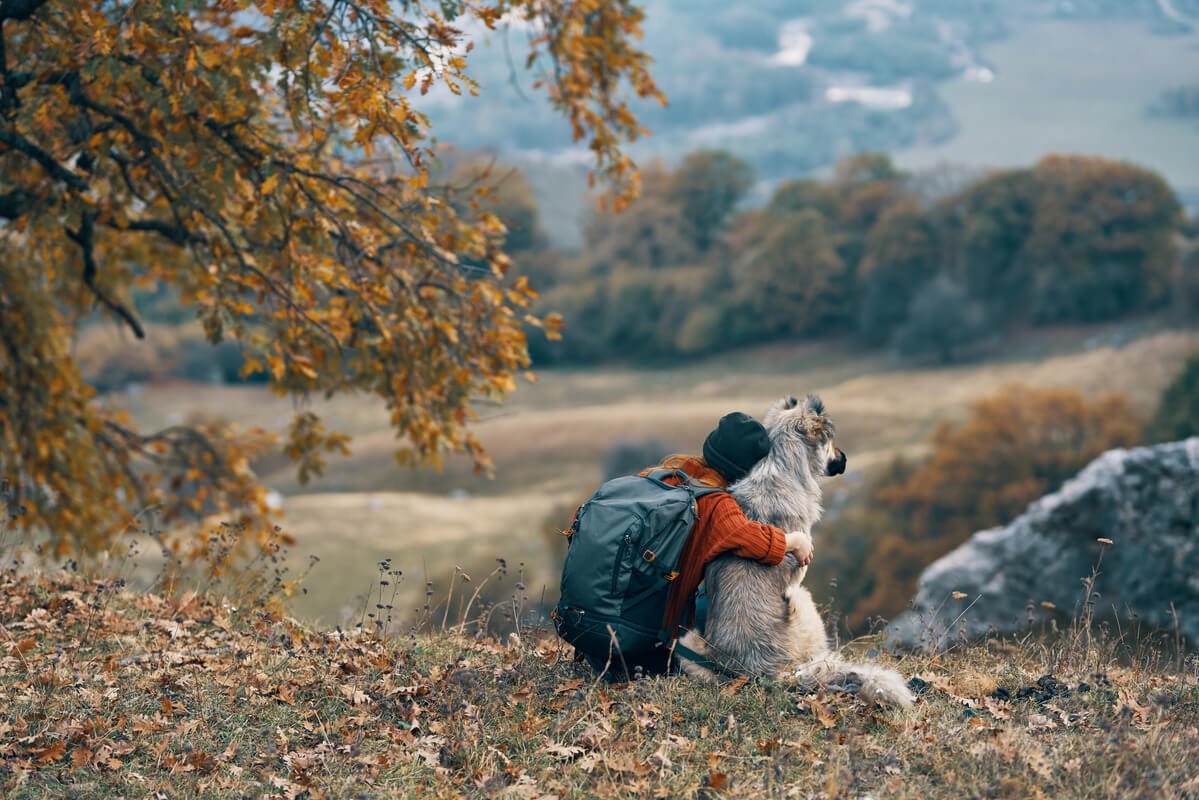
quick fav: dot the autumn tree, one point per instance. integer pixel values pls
(867, 186)
(984, 229)
(790, 283)
(804, 193)
(269, 160)
(654, 233)
(707, 186)
(864, 168)
(1103, 239)
(1017, 445)
(901, 256)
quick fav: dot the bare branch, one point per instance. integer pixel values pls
(84, 237)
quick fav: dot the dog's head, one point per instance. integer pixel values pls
(792, 421)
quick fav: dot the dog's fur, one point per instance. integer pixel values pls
(760, 620)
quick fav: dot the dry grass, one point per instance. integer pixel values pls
(106, 692)
(550, 439)
(426, 537)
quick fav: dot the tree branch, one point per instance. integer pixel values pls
(84, 237)
(19, 10)
(22, 145)
(174, 233)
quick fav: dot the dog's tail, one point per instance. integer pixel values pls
(874, 683)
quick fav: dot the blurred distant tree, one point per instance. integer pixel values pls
(985, 227)
(868, 185)
(902, 254)
(704, 330)
(631, 314)
(934, 184)
(655, 233)
(804, 193)
(1072, 239)
(581, 300)
(1017, 445)
(943, 321)
(484, 186)
(1177, 415)
(789, 285)
(1103, 239)
(479, 188)
(269, 161)
(707, 186)
(864, 168)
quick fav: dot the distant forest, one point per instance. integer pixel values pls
(932, 264)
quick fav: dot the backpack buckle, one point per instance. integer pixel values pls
(670, 576)
(649, 556)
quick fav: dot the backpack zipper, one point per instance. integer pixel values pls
(620, 554)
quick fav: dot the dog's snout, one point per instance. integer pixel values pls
(837, 465)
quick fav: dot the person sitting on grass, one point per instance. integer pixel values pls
(729, 452)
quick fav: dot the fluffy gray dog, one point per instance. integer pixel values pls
(760, 620)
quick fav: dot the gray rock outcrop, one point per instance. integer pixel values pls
(1146, 500)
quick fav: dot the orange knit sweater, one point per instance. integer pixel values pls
(720, 528)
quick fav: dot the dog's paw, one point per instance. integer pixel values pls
(800, 543)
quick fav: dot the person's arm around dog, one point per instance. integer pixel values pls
(738, 443)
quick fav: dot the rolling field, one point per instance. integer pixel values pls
(1074, 87)
(549, 441)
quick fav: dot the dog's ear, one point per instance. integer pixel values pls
(813, 404)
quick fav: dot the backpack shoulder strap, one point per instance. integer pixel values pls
(697, 490)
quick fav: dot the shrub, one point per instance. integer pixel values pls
(1177, 415)
(1016, 446)
(943, 321)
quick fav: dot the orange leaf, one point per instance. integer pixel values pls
(827, 718)
(718, 781)
(732, 686)
(81, 757)
(53, 753)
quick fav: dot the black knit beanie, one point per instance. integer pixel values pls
(738, 443)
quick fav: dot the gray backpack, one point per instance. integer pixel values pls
(624, 552)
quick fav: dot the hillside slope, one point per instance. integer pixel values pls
(108, 692)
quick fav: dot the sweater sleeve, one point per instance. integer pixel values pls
(733, 532)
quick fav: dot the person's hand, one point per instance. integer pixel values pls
(800, 543)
